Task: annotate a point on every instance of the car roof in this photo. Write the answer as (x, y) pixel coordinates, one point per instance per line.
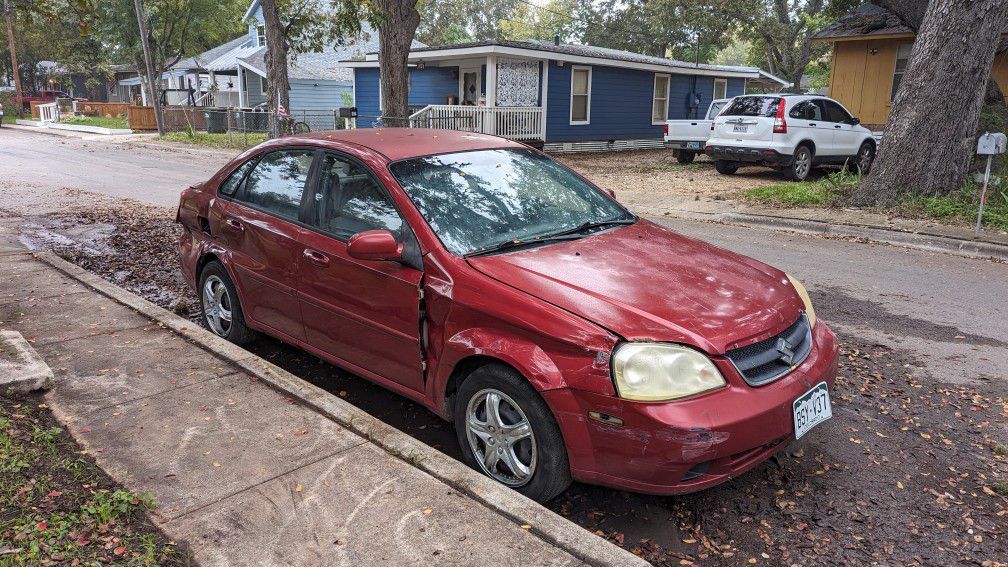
(402, 143)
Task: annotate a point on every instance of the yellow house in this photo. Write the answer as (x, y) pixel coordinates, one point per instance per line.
(871, 47)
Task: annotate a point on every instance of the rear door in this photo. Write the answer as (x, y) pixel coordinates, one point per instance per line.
(260, 228)
(366, 313)
(806, 118)
(747, 119)
(847, 138)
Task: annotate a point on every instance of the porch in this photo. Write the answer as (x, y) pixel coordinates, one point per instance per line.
(525, 123)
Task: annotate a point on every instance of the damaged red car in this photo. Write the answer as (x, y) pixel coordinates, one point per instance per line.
(565, 337)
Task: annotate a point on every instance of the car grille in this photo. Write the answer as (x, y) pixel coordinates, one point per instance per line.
(763, 362)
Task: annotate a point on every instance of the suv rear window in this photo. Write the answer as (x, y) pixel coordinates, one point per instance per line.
(752, 106)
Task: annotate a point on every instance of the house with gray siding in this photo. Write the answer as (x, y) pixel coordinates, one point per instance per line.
(565, 97)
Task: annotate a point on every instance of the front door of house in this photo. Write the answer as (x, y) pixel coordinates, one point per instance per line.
(471, 87)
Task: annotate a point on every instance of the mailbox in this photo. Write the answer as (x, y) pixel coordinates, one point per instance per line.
(348, 112)
(992, 144)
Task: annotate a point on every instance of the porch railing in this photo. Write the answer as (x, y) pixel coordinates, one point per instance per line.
(48, 112)
(513, 122)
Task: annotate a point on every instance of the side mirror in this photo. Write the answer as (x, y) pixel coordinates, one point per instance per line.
(611, 193)
(855, 121)
(374, 245)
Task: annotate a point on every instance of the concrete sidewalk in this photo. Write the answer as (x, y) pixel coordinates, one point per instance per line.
(248, 475)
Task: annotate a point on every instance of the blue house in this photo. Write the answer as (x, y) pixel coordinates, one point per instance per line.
(563, 96)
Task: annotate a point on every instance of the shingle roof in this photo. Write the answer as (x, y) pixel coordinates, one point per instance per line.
(209, 56)
(324, 66)
(588, 51)
(867, 19)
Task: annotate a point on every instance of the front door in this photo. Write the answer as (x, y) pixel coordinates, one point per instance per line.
(260, 231)
(846, 138)
(471, 87)
(366, 313)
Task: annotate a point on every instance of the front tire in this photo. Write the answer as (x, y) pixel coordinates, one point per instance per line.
(864, 159)
(685, 157)
(726, 167)
(220, 307)
(507, 432)
(801, 164)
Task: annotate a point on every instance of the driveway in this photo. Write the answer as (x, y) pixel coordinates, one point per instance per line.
(911, 469)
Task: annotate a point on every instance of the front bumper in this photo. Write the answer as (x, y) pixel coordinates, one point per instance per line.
(687, 445)
(758, 156)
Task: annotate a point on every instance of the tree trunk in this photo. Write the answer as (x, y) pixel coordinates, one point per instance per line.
(396, 29)
(277, 46)
(14, 60)
(148, 63)
(931, 133)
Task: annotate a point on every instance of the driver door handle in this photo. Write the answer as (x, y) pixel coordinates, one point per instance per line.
(234, 224)
(837, 126)
(812, 124)
(316, 257)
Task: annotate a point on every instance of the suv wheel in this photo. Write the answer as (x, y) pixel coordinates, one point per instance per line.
(862, 162)
(508, 433)
(726, 167)
(801, 164)
(221, 309)
(685, 157)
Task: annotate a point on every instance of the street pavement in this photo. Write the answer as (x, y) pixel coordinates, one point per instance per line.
(241, 473)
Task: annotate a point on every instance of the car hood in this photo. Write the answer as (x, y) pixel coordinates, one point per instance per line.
(646, 282)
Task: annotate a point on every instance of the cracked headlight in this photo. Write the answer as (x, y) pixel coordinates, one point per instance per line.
(652, 372)
(803, 294)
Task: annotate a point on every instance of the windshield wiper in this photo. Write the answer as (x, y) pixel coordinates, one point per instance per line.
(591, 225)
(515, 244)
(571, 234)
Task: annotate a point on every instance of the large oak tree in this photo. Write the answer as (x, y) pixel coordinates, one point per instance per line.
(931, 133)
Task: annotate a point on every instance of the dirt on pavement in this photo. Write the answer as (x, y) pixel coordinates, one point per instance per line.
(912, 470)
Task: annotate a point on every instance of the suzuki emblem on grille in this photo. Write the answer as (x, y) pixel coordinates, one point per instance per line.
(786, 351)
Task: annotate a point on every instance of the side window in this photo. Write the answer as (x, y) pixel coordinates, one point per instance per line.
(230, 185)
(278, 181)
(835, 112)
(807, 110)
(348, 200)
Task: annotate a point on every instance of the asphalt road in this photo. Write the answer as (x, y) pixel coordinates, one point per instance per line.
(948, 312)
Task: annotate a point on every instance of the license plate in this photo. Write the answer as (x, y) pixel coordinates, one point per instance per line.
(740, 128)
(811, 409)
(692, 145)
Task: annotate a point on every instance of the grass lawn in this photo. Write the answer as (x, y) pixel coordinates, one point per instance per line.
(100, 121)
(58, 507)
(9, 117)
(958, 208)
(237, 141)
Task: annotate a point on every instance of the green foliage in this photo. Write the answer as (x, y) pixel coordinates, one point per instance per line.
(236, 141)
(100, 121)
(555, 17)
(441, 20)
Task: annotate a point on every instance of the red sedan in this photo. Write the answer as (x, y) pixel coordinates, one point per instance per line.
(565, 337)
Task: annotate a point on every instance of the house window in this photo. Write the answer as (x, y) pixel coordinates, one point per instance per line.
(262, 86)
(580, 103)
(902, 58)
(261, 35)
(720, 88)
(659, 105)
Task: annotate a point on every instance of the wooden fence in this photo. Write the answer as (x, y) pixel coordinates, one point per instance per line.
(176, 118)
(106, 109)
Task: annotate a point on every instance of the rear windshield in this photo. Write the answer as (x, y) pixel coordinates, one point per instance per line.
(752, 106)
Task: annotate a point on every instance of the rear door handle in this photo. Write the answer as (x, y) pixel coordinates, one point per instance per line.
(234, 224)
(812, 124)
(837, 126)
(316, 257)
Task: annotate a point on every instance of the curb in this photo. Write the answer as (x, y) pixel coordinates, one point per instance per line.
(547, 525)
(886, 235)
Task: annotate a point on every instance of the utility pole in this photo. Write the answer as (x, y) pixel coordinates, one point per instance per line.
(14, 60)
(142, 23)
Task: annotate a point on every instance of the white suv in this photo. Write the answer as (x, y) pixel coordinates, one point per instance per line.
(790, 133)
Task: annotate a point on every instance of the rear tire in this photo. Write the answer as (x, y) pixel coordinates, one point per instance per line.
(726, 167)
(801, 164)
(220, 307)
(685, 157)
(540, 457)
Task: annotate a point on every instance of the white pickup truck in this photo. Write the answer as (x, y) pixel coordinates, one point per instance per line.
(689, 137)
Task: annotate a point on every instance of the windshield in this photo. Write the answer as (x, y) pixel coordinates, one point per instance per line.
(479, 200)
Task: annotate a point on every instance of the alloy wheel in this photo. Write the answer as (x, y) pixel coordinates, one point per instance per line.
(803, 162)
(866, 159)
(500, 437)
(217, 306)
